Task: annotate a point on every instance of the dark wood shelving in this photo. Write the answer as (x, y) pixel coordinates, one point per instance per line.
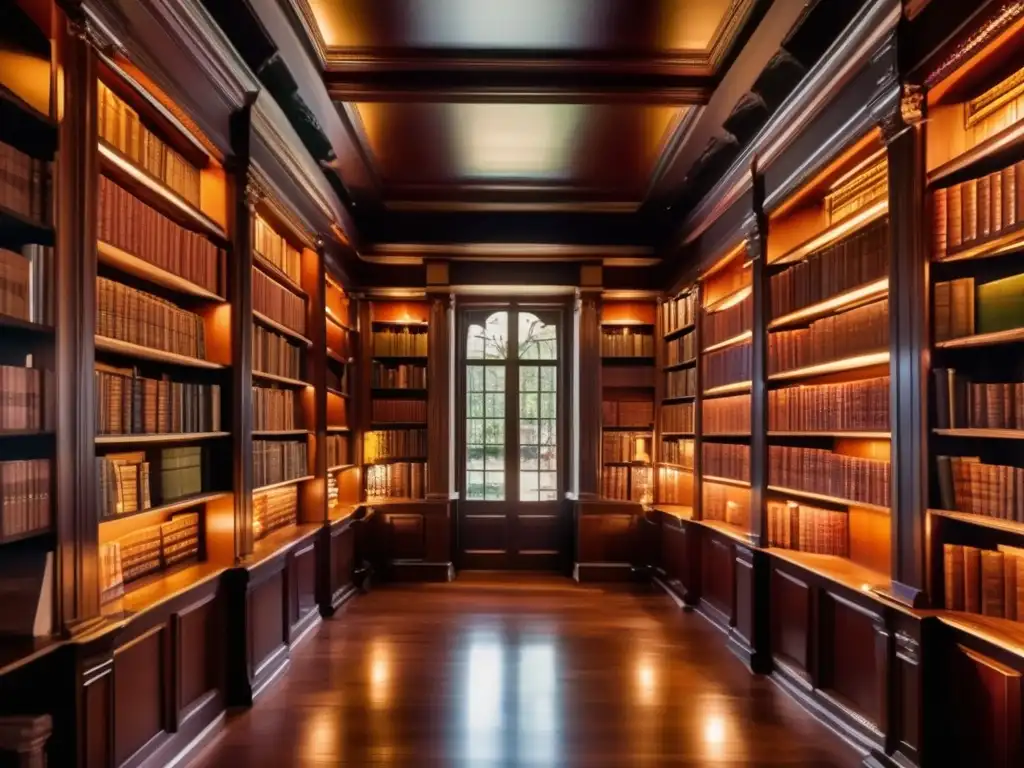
(730, 342)
(284, 330)
(1003, 245)
(725, 481)
(737, 387)
(677, 366)
(277, 275)
(1012, 336)
(678, 467)
(830, 435)
(26, 535)
(983, 521)
(265, 433)
(678, 398)
(24, 228)
(274, 378)
(783, 491)
(283, 484)
(852, 363)
(622, 428)
(17, 325)
(127, 349)
(156, 439)
(841, 229)
(135, 266)
(678, 331)
(863, 294)
(170, 506)
(337, 392)
(1004, 143)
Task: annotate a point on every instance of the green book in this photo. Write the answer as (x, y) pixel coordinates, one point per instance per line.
(1000, 305)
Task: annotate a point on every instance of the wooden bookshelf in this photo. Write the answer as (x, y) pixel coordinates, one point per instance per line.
(157, 439)
(114, 257)
(783, 491)
(995, 434)
(137, 351)
(628, 388)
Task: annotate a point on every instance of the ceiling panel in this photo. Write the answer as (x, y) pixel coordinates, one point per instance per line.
(586, 150)
(570, 27)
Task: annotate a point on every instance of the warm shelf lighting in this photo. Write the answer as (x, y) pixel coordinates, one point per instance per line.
(873, 290)
(739, 386)
(731, 300)
(730, 342)
(984, 339)
(846, 364)
(840, 230)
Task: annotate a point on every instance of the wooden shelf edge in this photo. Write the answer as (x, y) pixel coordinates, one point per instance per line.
(281, 433)
(128, 349)
(1000, 434)
(983, 339)
(731, 342)
(282, 484)
(1002, 141)
(1002, 633)
(837, 231)
(863, 294)
(171, 506)
(843, 435)
(151, 439)
(284, 330)
(25, 535)
(341, 467)
(736, 388)
(682, 331)
(983, 521)
(138, 267)
(851, 363)
(1010, 242)
(783, 491)
(260, 262)
(725, 481)
(834, 568)
(680, 365)
(677, 467)
(273, 377)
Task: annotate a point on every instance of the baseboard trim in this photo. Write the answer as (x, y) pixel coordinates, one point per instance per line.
(418, 571)
(590, 573)
(201, 739)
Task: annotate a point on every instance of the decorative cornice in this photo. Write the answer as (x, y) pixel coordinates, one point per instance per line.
(303, 13)
(1007, 15)
(273, 130)
(899, 109)
(848, 54)
(270, 195)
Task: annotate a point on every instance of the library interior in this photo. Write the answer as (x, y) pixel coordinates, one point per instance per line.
(479, 383)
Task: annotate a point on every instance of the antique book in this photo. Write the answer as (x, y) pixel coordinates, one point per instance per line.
(953, 572)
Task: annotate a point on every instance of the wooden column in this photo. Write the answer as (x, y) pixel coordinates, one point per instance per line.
(241, 223)
(439, 398)
(908, 340)
(314, 282)
(26, 738)
(589, 302)
(755, 231)
(75, 183)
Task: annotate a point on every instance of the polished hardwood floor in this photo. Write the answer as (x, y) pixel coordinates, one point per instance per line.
(520, 671)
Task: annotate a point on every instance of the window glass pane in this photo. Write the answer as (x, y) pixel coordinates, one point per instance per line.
(474, 457)
(528, 406)
(548, 378)
(495, 378)
(549, 481)
(474, 431)
(495, 486)
(494, 433)
(528, 486)
(548, 431)
(495, 405)
(547, 496)
(490, 340)
(537, 340)
(528, 378)
(476, 405)
(529, 431)
(547, 405)
(495, 456)
(475, 378)
(475, 485)
(548, 458)
(528, 457)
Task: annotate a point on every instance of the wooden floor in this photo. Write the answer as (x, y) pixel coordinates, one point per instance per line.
(520, 671)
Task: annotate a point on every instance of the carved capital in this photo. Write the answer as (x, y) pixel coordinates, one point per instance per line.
(252, 193)
(904, 109)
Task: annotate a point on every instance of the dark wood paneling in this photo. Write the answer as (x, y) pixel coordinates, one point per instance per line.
(605, 538)
(540, 532)
(266, 604)
(483, 532)
(850, 668)
(342, 559)
(97, 716)
(792, 622)
(303, 571)
(717, 585)
(406, 536)
(199, 646)
(745, 594)
(140, 696)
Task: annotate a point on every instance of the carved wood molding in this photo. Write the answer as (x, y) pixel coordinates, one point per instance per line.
(1006, 15)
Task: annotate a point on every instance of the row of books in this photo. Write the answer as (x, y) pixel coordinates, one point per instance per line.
(23, 398)
(25, 497)
(726, 323)
(276, 461)
(396, 481)
(26, 291)
(383, 444)
(131, 315)
(627, 483)
(678, 451)
(851, 406)
(953, 309)
(984, 581)
(962, 403)
(276, 250)
(129, 224)
(725, 460)
(274, 354)
(723, 415)
(147, 550)
(830, 474)
(991, 490)
(395, 411)
(627, 413)
(272, 299)
(992, 307)
(681, 350)
(726, 366)
(273, 409)
(25, 184)
(674, 487)
(677, 417)
(402, 342)
(338, 450)
(856, 260)
(274, 509)
(726, 504)
(403, 376)
(681, 383)
(858, 331)
(808, 529)
(679, 312)
(121, 128)
(976, 210)
(626, 343)
(618, 447)
(129, 404)
(124, 479)
(333, 493)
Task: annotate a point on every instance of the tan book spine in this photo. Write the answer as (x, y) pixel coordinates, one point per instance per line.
(992, 583)
(972, 579)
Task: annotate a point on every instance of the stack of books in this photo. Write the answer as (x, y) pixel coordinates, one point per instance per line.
(681, 350)
(274, 509)
(858, 331)
(678, 451)
(984, 581)
(23, 405)
(722, 460)
(338, 450)
(681, 383)
(276, 461)
(619, 447)
(273, 409)
(726, 504)
(272, 299)
(726, 415)
(394, 444)
(274, 354)
(275, 250)
(853, 406)
(677, 417)
(406, 480)
(830, 474)
(962, 403)
(181, 472)
(400, 411)
(123, 484)
(24, 184)
(400, 343)
(25, 290)
(954, 309)
(128, 314)
(403, 376)
(25, 497)
(977, 210)
(626, 343)
(725, 366)
(992, 490)
(727, 323)
(129, 404)
(627, 413)
(679, 312)
(808, 529)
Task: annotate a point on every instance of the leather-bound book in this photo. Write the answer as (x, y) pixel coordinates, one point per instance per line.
(983, 214)
(939, 223)
(1009, 186)
(972, 579)
(942, 310)
(992, 583)
(953, 573)
(1010, 566)
(995, 216)
(1018, 185)
(954, 211)
(969, 215)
